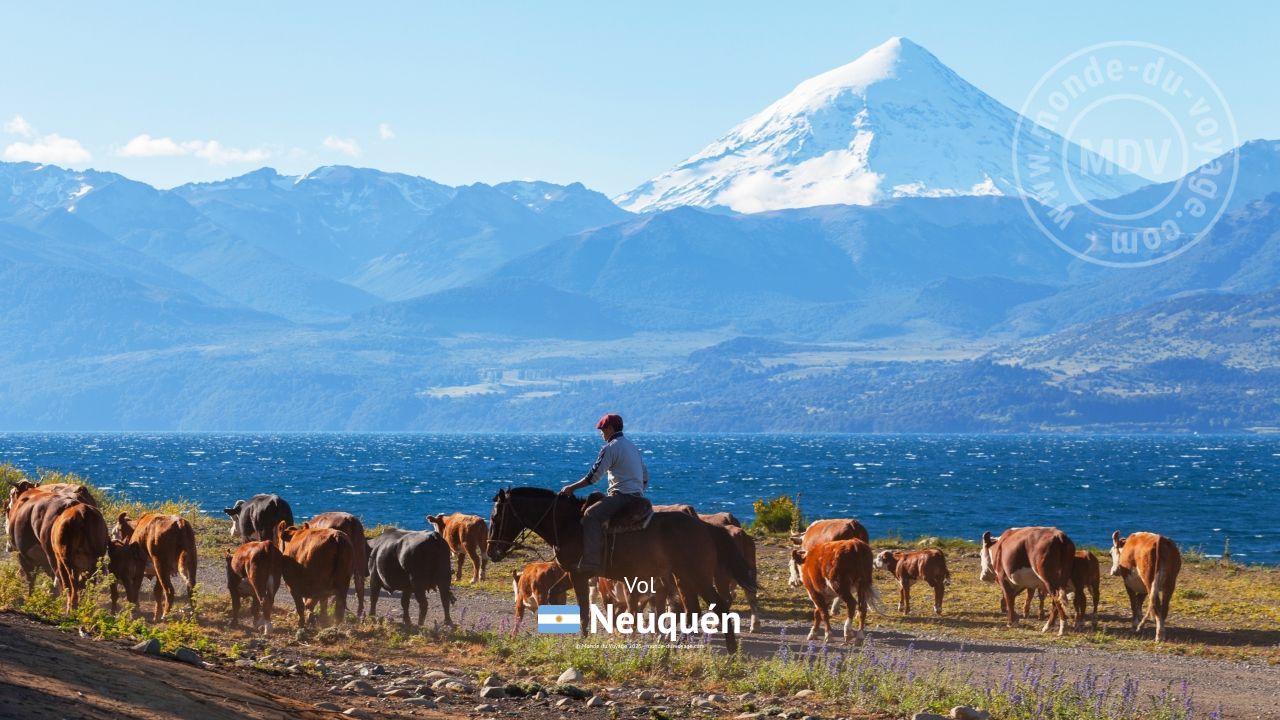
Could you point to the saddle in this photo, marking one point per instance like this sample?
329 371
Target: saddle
631 520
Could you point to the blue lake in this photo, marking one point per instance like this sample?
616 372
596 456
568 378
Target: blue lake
1199 490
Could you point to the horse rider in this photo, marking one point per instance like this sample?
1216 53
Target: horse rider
628 479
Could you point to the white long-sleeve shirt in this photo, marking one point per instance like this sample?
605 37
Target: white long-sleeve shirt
621 459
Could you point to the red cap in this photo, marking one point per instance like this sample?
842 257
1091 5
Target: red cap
612 420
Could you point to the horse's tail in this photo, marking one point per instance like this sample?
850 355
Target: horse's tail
730 558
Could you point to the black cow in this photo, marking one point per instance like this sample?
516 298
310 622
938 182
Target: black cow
411 563
257 518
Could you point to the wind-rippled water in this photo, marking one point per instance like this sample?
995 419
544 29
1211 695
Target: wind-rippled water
1198 490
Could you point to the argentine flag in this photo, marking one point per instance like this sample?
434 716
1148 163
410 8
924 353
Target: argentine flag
559 619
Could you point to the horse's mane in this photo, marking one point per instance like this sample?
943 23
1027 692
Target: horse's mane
530 492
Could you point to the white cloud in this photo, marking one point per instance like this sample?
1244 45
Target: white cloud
19 126
52 148
346 146
385 132
211 151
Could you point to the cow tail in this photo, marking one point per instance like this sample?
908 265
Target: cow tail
730 558
873 598
946 576
187 554
1157 587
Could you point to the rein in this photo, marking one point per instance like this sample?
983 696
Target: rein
527 528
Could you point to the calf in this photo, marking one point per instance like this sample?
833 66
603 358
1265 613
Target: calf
539 583
839 569
1030 557
77 540
169 544
1149 564
258 518
127 564
820 531
911 567
466 535
351 525
411 563
254 571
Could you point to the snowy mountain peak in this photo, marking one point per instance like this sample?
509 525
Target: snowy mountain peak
895 122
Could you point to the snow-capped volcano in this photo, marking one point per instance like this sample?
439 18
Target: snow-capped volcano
895 122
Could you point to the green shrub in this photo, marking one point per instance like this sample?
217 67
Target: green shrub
779 515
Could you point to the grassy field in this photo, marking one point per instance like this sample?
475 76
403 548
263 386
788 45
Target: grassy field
1221 611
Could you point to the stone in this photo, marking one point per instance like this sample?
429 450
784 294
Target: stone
748 716
422 702
397 693
360 687
371 670
805 693
747 696
492 693
148 647
357 713
570 676
441 682
928 716
964 712
700 703
562 702
331 707
244 663
716 698
492 681
647 695
189 656
456 686
321 667
486 708
595 701
435 675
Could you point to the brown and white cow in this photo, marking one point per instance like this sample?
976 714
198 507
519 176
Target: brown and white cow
351 525
909 567
1149 564
316 565
838 570
538 584
820 531
1030 557
77 541
169 544
254 570
466 536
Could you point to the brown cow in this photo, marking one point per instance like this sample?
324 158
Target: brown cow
77 541
71 490
724 582
316 565
1030 557
1149 564
29 521
838 570
538 584
466 536
910 567
723 519
1084 577
169 543
820 531
254 571
351 525
685 508
127 564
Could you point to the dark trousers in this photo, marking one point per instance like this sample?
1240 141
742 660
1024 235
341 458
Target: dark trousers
593 524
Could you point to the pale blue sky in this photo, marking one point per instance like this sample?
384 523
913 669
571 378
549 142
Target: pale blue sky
609 94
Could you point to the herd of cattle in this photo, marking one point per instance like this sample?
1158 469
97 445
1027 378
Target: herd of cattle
59 529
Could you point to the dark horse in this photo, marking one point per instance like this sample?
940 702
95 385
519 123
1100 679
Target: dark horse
674 543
